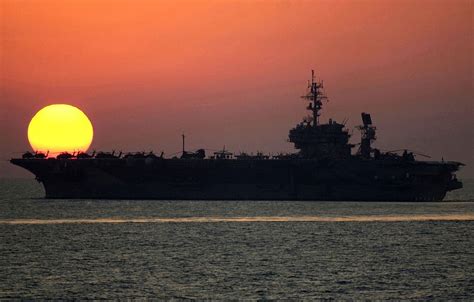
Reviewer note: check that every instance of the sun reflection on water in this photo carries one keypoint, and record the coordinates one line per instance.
(215, 219)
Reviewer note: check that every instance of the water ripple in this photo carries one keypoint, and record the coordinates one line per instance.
(360, 218)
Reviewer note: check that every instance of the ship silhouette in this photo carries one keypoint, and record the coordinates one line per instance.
(323, 168)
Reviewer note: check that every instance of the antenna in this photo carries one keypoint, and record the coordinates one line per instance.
(183, 136)
(315, 96)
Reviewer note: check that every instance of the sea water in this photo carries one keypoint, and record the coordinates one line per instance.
(93, 249)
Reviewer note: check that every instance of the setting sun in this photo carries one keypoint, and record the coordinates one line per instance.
(60, 128)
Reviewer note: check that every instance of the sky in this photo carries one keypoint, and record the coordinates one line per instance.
(232, 72)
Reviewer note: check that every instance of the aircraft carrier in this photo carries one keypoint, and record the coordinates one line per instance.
(325, 166)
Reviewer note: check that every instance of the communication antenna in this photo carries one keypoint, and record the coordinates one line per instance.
(183, 136)
(315, 96)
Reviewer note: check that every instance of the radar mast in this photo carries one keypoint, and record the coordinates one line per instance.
(315, 139)
(315, 96)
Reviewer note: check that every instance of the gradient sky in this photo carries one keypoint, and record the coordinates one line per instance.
(231, 72)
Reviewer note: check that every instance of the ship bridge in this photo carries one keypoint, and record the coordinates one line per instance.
(315, 140)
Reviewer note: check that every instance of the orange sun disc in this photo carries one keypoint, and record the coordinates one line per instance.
(60, 128)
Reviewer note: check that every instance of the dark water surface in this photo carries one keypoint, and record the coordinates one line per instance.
(234, 249)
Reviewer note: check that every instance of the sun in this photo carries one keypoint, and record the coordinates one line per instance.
(60, 128)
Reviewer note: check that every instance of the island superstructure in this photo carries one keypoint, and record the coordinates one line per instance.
(324, 167)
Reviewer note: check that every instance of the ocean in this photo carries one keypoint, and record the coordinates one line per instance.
(257, 250)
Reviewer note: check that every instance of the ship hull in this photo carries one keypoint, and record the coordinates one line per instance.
(207, 179)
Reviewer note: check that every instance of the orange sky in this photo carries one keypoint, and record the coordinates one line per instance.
(230, 72)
